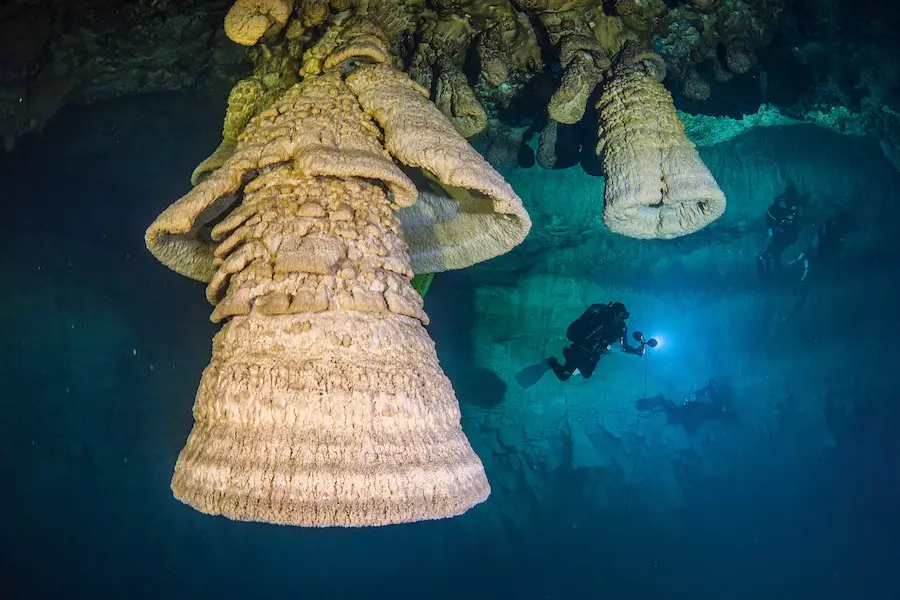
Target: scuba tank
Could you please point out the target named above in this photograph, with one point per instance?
(587, 326)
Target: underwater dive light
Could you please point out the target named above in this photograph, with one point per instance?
(644, 342)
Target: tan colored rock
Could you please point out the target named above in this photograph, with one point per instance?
(455, 98)
(492, 52)
(585, 39)
(443, 38)
(551, 6)
(546, 153)
(656, 184)
(574, 45)
(244, 101)
(312, 12)
(466, 212)
(508, 48)
(569, 101)
(249, 20)
(357, 39)
(436, 66)
(324, 403)
(335, 139)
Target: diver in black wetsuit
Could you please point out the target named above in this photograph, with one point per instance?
(712, 401)
(782, 229)
(826, 244)
(714, 396)
(592, 335)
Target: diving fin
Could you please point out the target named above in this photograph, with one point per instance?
(531, 374)
(422, 282)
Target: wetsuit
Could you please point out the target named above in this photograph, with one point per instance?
(592, 335)
(782, 229)
(825, 244)
(713, 394)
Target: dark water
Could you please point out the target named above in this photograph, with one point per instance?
(103, 348)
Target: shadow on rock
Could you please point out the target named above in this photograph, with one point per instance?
(481, 387)
(450, 304)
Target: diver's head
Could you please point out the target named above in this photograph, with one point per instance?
(619, 311)
(790, 198)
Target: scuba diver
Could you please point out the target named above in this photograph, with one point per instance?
(592, 335)
(826, 244)
(714, 395)
(711, 401)
(782, 229)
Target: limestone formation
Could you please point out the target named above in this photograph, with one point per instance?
(584, 62)
(466, 212)
(476, 58)
(250, 20)
(656, 184)
(324, 403)
(244, 102)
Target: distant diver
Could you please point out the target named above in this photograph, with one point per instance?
(782, 229)
(715, 395)
(712, 401)
(826, 244)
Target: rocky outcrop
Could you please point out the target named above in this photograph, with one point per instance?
(324, 403)
(56, 53)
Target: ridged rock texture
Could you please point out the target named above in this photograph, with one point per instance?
(476, 58)
(243, 103)
(656, 184)
(250, 20)
(579, 79)
(324, 403)
(466, 212)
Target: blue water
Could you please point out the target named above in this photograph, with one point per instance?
(103, 349)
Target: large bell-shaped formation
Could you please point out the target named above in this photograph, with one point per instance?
(324, 403)
(656, 184)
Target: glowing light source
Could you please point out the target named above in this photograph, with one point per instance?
(660, 341)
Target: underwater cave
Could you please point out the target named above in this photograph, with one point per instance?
(388, 362)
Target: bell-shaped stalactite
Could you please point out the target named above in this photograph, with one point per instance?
(656, 184)
(324, 403)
